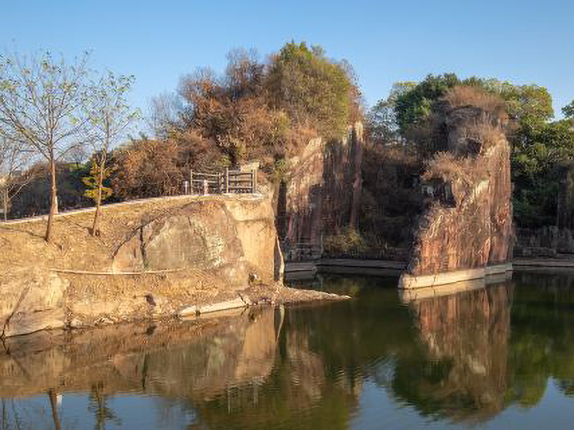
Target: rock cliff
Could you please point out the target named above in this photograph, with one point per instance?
(467, 223)
(321, 194)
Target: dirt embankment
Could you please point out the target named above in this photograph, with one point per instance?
(152, 259)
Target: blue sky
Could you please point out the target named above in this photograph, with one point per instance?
(522, 41)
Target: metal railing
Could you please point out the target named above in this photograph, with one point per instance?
(301, 251)
(229, 181)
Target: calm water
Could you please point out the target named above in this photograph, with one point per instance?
(500, 357)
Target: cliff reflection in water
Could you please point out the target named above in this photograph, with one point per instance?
(462, 358)
(463, 375)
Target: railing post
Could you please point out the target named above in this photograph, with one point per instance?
(227, 180)
(191, 182)
(254, 184)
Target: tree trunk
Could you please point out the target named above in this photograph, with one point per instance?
(54, 406)
(99, 197)
(53, 199)
(5, 203)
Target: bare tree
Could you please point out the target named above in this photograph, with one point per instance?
(164, 114)
(77, 155)
(13, 160)
(40, 108)
(109, 117)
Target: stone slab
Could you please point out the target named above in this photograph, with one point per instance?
(408, 281)
(221, 306)
(31, 322)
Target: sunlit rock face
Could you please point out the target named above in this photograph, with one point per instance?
(468, 220)
(185, 247)
(322, 191)
(229, 237)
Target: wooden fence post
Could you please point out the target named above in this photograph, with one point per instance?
(254, 185)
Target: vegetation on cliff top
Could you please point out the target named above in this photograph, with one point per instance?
(266, 111)
(255, 111)
(539, 143)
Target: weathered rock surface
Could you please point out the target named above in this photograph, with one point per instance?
(230, 238)
(31, 300)
(202, 252)
(468, 221)
(322, 193)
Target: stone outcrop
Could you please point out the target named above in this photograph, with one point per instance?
(231, 238)
(35, 305)
(468, 220)
(321, 194)
(154, 259)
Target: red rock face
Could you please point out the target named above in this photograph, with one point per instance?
(468, 220)
(322, 192)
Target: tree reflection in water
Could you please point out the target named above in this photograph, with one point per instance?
(463, 374)
(461, 357)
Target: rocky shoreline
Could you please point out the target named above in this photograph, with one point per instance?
(154, 259)
(80, 301)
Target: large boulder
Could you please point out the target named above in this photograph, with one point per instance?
(32, 300)
(155, 258)
(233, 238)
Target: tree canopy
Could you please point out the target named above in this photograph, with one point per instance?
(538, 143)
(312, 89)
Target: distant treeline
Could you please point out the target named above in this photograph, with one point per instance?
(268, 110)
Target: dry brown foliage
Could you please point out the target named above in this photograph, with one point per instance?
(233, 113)
(482, 131)
(447, 167)
(147, 168)
(464, 95)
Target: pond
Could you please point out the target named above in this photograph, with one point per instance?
(496, 357)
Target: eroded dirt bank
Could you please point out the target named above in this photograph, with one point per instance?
(153, 259)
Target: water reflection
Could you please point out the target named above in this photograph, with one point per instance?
(467, 358)
(463, 374)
